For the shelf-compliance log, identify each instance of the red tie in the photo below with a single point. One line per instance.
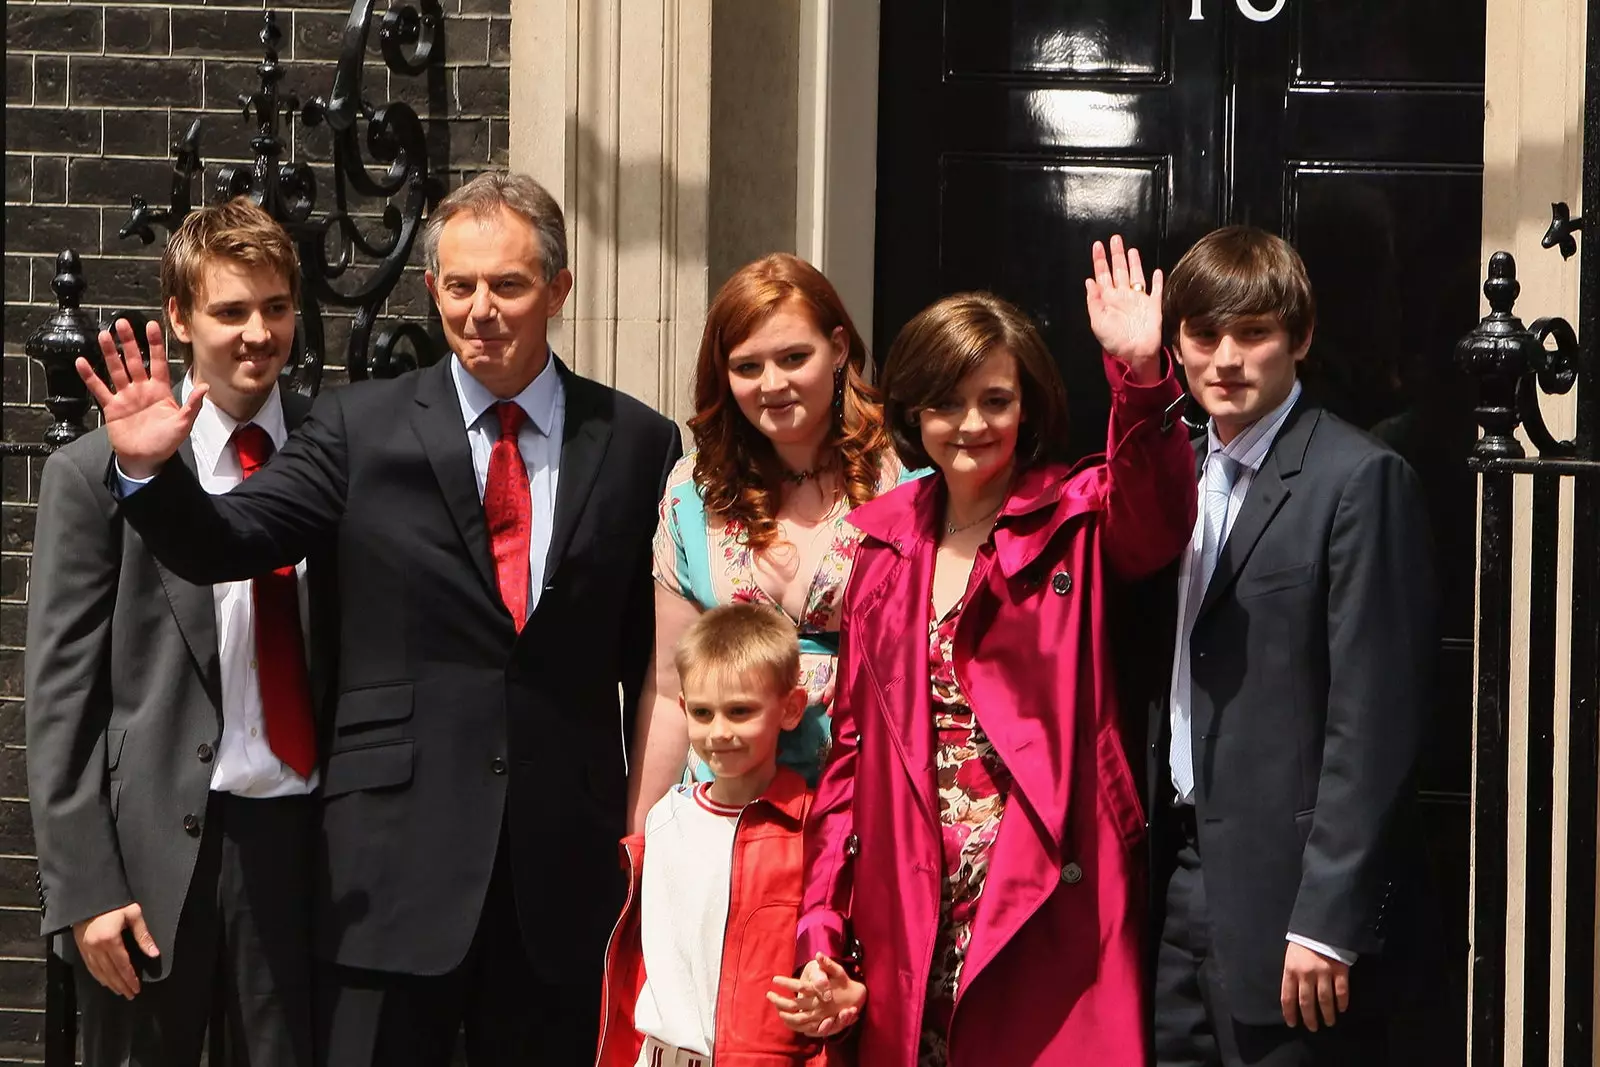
(280, 652)
(508, 507)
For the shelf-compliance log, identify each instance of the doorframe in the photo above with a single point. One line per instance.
(837, 186)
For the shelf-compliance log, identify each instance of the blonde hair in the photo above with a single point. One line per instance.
(741, 639)
(484, 196)
(238, 230)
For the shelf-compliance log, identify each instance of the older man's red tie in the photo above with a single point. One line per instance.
(507, 508)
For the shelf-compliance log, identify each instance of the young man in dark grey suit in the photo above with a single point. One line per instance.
(1284, 744)
(490, 518)
(171, 743)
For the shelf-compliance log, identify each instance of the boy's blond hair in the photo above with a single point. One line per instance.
(742, 639)
(238, 230)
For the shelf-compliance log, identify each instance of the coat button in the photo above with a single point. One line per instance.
(1072, 874)
(191, 825)
(852, 846)
(1061, 583)
(497, 765)
(204, 753)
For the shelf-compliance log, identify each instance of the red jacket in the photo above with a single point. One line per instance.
(1052, 977)
(757, 944)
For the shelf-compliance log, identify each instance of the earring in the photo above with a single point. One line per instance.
(838, 392)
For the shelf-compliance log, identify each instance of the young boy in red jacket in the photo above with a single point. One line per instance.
(712, 902)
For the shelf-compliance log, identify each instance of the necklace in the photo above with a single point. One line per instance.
(952, 528)
(801, 477)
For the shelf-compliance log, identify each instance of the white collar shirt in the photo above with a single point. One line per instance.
(245, 763)
(544, 401)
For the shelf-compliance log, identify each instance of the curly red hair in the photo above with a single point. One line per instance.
(736, 468)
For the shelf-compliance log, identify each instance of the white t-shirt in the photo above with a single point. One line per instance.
(683, 914)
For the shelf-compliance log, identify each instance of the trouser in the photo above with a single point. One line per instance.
(507, 1014)
(1194, 1026)
(241, 953)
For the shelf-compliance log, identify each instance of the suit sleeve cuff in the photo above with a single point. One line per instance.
(127, 486)
(1342, 955)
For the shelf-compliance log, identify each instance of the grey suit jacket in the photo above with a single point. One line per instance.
(124, 705)
(1311, 659)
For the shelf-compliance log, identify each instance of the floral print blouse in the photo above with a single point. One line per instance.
(972, 784)
(705, 560)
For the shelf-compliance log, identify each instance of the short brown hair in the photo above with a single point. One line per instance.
(950, 339)
(485, 195)
(742, 639)
(1236, 272)
(238, 230)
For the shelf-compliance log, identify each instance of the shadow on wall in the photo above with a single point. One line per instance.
(754, 138)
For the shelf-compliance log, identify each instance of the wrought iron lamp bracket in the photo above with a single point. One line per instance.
(411, 40)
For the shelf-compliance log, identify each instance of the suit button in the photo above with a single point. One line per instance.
(1061, 583)
(852, 846)
(497, 765)
(191, 825)
(204, 753)
(1072, 874)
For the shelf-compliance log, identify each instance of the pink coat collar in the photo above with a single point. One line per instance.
(1042, 499)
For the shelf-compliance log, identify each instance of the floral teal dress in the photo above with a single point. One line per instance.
(706, 561)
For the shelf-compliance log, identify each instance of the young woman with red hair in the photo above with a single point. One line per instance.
(788, 438)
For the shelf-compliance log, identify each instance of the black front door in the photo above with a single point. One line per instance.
(1014, 132)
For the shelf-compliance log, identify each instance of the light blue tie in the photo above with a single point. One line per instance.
(1215, 489)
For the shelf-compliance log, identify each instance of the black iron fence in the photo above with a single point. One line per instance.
(1514, 366)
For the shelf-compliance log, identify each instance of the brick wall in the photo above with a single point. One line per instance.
(95, 95)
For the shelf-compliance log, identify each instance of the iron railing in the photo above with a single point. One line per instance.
(1514, 366)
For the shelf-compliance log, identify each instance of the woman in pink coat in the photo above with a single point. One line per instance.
(974, 857)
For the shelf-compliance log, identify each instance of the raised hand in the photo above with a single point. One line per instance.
(145, 423)
(822, 1002)
(1125, 318)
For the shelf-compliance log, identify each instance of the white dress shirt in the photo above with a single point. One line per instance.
(544, 401)
(1249, 450)
(246, 765)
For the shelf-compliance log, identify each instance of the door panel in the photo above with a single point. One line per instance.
(1013, 132)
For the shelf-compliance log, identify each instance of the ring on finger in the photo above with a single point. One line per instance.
(1138, 287)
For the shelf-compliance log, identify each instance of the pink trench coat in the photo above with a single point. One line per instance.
(1052, 975)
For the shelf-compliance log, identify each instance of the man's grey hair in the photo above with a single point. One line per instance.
(483, 196)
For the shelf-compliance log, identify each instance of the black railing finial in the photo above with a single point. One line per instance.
(1498, 354)
(57, 344)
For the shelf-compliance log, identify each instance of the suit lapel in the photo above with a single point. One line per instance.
(195, 609)
(437, 423)
(1268, 491)
(584, 437)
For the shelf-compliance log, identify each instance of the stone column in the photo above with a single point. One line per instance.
(610, 108)
(1533, 152)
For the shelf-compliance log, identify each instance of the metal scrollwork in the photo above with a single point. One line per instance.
(1562, 227)
(331, 246)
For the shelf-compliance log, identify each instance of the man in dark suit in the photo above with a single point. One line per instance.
(1284, 744)
(490, 518)
(171, 739)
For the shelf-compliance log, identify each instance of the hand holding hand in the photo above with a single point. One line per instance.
(1126, 319)
(143, 420)
(1311, 982)
(101, 946)
(823, 1001)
